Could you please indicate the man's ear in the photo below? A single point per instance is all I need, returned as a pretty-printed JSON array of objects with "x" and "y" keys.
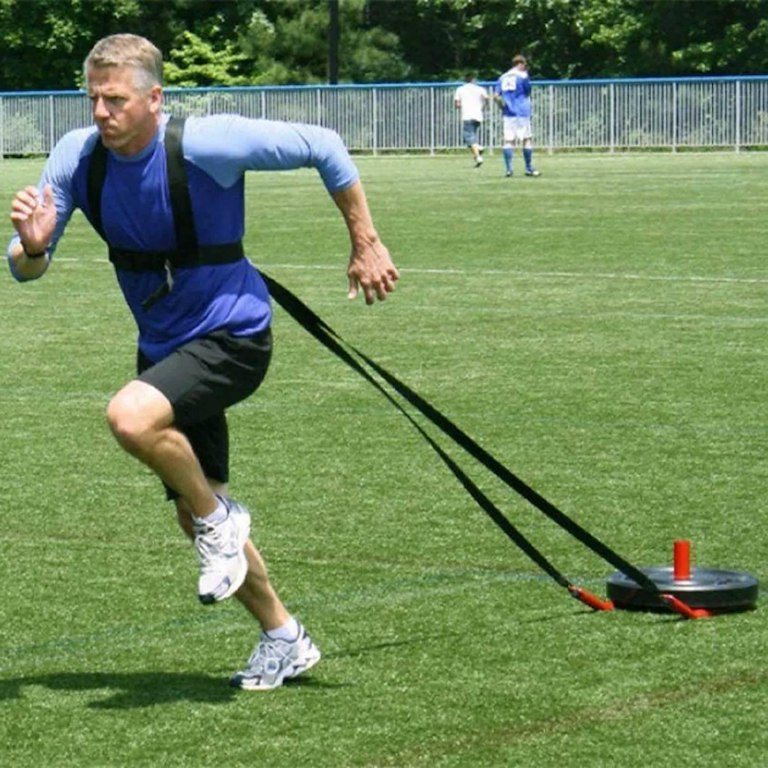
[{"x": 156, "y": 98}]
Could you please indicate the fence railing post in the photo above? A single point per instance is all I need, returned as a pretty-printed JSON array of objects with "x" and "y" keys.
[
  {"x": 551, "y": 127},
  {"x": 612, "y": 116},
  {"x": 674, "y": 117},
  {"x": 375, "y": 113}
]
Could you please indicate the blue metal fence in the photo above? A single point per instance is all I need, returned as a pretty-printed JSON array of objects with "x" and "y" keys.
[{"x": 608, "y": 115}]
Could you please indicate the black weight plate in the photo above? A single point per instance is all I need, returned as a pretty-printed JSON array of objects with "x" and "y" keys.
[{"x": 709, "y": 588}]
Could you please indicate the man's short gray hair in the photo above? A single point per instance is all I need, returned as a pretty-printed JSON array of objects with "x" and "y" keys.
[{"x": 127, "y": 50}]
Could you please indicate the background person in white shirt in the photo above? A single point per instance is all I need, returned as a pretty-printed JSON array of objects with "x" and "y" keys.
[{"x": 471, "y": 99}]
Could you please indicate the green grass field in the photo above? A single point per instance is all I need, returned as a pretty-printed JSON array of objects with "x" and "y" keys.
[{"x": 601, "y": 330}]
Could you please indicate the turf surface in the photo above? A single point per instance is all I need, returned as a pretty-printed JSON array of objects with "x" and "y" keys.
[{"x": 601, "y": 330}]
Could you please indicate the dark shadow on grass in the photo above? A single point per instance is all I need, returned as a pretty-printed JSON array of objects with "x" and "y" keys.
[
  {"x": 139, "y": 690},
  {"x": 128, "y": 691}
]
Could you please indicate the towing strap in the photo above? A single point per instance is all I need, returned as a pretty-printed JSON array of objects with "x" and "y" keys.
[{"x": 358, "y": 361}]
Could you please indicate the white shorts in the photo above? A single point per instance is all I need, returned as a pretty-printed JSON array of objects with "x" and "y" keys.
[{"x": 517, "y": 128}]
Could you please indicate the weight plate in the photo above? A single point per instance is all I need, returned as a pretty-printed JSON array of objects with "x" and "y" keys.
[{"x": 710, "y": 588}]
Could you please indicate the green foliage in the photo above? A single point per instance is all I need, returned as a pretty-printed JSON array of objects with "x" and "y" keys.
[
  {"x": 687, "y": 37},
  {"x": 195, "y": 62},
  {"x": 230, "y": 42},
  {"x": 287, "y": 43},
  {"x": 580, "y": 38},
  {"x": 374, "y": 57}
]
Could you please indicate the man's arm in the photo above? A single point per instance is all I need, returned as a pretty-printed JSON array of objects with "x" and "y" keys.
[
  {"x": 226, "y": 146},
  {"x": 370, "y": 265},
  {"x": 34, "y": 218},
  {"x": 25, "y": 267}
]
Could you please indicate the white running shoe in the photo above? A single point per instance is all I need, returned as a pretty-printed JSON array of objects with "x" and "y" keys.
[
  {"x": 220, "y": 548},
  {"x": 274, "y": 661}
]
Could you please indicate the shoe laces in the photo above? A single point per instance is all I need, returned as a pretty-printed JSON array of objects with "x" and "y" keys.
[
  {"x": 211, "y": 540},
  {"x": 268, "y": 655}
]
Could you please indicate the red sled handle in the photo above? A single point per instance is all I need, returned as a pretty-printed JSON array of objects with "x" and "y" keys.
[
  {"x": 593, "y": 601},
  {"x": 685, "y": 610}
]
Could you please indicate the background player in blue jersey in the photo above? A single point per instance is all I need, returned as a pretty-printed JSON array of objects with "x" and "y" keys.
[
  {"x": 513, "y": 92},
  {"x": 202, "y": 310}
]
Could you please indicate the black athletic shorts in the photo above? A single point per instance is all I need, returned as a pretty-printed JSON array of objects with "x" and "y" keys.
[{"x": 201, "y": 379}]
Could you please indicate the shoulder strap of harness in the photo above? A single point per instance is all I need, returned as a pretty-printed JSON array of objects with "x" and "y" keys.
[
  {"x": 97, "y": 172},
  {"x": 181, "y": 203}
]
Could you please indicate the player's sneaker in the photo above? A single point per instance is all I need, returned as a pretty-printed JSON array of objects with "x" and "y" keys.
[
  {"x": 508, "y": 174},
  {"x": 533, "y": 172},
  {"x": 274, "y": 661},
  {"x": 220, "y": 548},
  {"x": 479, "y": 161}
]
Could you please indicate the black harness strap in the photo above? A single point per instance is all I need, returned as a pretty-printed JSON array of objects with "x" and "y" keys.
[
  {"x": 187, "y": 252},
  {"x": 97, "y": 172},
  {"x": 181, "y": 204}
]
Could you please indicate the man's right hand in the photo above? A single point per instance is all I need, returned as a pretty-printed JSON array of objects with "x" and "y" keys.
[{"x": 34, "y": 218}]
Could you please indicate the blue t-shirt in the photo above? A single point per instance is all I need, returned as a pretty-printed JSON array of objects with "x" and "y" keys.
[
  {"x": 137, "y": 215},
  {"x": 514, "y": 87}
]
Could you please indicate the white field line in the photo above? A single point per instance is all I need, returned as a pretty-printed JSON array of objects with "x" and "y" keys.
[{"x": 515, "y": 274}]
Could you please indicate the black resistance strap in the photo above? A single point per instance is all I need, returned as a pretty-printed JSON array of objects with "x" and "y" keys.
[{"x": 336, "y": 344}]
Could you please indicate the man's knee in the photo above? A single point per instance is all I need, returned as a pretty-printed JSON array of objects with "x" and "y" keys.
[
  {"x": 135, "y": 413},
  {"x": 122, "y": 420}
]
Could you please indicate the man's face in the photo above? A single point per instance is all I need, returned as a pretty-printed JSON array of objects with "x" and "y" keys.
[{"x": 127, "y": 117}]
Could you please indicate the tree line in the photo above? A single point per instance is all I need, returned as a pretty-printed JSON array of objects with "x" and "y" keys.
[{"x": 279, "y": 42}]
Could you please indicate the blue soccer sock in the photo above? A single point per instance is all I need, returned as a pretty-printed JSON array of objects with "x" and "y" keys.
[
  {"x": 528, "y": 157},
  {"x": 508, "y": 153}
]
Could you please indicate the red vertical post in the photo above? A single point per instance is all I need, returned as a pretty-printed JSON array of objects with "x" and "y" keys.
[{"x": 682, "y": 560}]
